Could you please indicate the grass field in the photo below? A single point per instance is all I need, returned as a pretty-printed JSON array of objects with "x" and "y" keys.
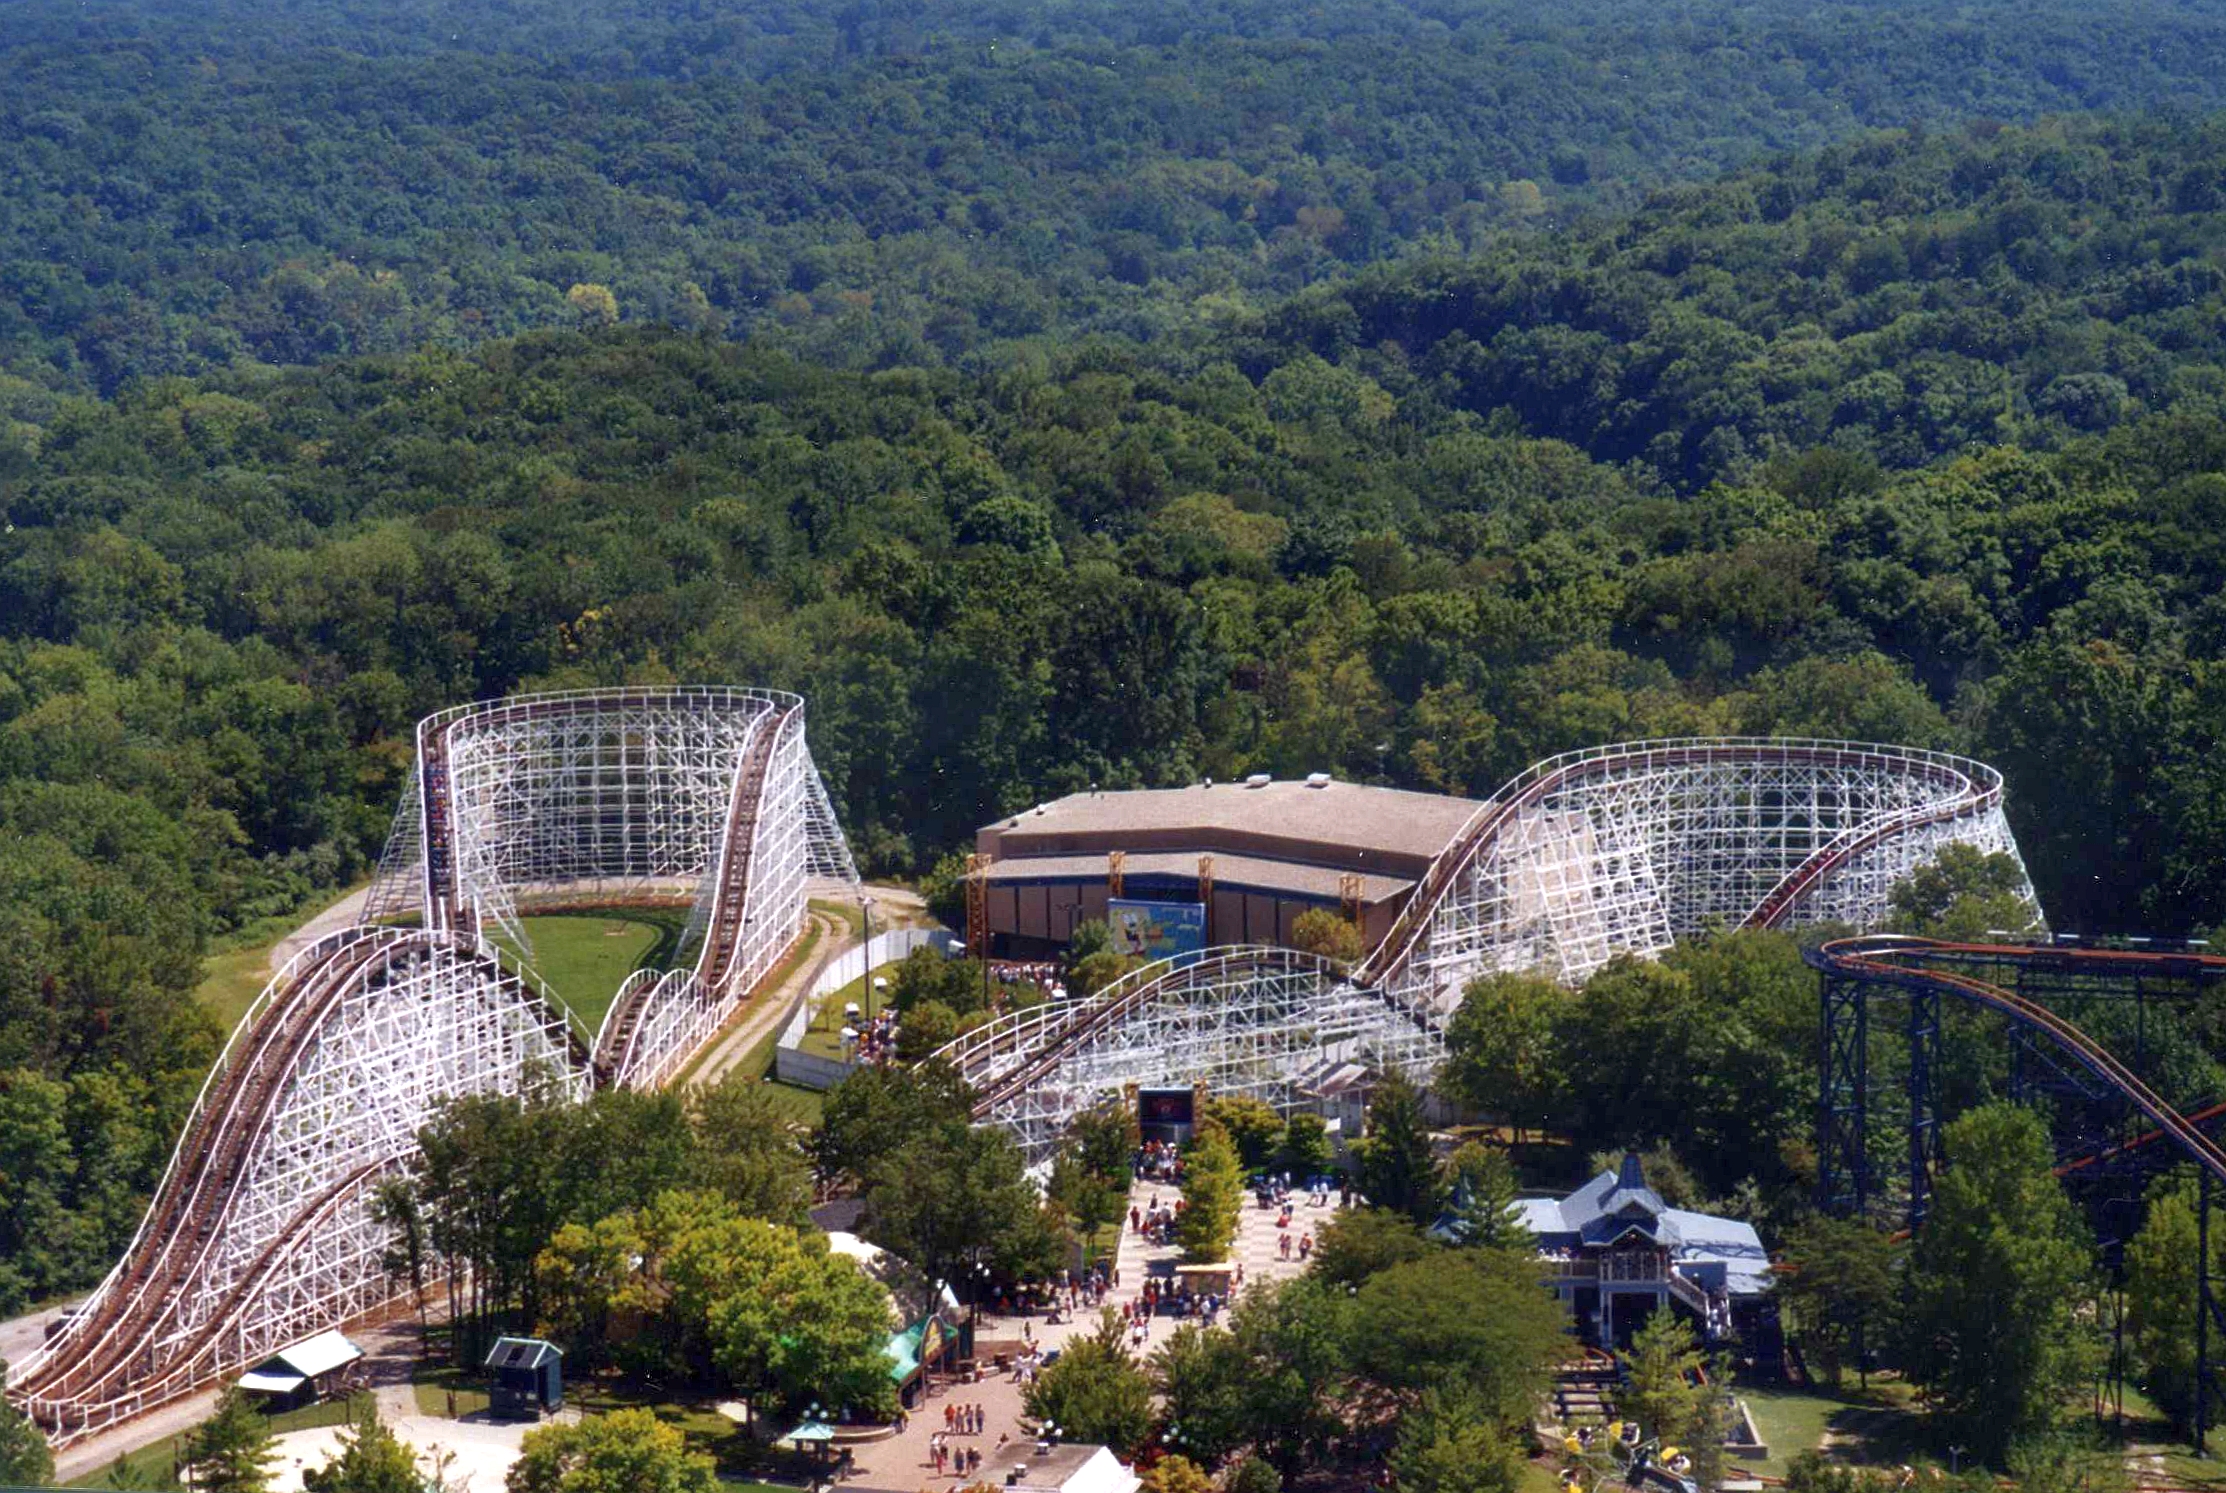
[
  {"x": 237, "y": 966},
  {"x": 584, "y": 959},
  {"x": 1880, "y": 1426},
  {"x": 823, "y": 1037}
]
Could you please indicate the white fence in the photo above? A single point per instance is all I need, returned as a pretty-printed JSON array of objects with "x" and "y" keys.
[{"x": 791, "y": 1064}]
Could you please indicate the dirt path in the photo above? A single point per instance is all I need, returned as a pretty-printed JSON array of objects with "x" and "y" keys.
[{"x": 771, "y": 1010}]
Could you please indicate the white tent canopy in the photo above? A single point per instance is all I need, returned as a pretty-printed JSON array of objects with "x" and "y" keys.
[{"x": 308, "y": 1359}]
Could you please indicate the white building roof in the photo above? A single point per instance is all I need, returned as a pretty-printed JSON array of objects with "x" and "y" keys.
[{"x": 290, "y": 1368}]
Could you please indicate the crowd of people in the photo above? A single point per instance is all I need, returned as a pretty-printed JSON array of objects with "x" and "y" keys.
[
  {"x": 1046, "y": 975},
  {"x": 1159, "y": 1161},
  {"x": 1155, "y": 1222},
  {"x": 874, "y": 1041}
]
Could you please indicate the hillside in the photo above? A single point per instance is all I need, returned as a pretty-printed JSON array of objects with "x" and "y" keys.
[{"x": 192, "y": 187}]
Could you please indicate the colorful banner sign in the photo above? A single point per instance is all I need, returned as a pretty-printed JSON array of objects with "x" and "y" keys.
[{"x": 1156, "y": 930}]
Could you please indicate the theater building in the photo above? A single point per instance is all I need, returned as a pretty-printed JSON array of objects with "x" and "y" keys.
[{"x": 1217, "y": 863}]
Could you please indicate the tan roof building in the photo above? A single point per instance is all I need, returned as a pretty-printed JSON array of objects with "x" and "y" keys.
[{"x": 1270, "y": 851}]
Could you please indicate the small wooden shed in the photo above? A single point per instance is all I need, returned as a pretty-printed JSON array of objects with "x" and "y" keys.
[{"x": 528, "y": 1378}]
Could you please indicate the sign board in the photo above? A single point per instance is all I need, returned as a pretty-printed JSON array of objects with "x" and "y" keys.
[
  {"x": 1156, "y": 930},
  {"x": 1166, "y": 1107}
]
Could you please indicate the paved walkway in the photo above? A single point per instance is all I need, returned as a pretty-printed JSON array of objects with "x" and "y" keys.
[{"x": 902, "y": 1461}]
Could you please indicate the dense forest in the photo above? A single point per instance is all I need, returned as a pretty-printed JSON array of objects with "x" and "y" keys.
[
  {"x": 194, "y": 187},
  {"x": 1070, "y": 394}
]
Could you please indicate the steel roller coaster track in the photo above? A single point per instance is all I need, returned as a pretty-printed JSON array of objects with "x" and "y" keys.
[
  {"x": 1925, "y": 972},
  {"x": 261, "y": 1230}
]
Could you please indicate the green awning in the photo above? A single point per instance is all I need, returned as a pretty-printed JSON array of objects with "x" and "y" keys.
[
  {"x": 904, "y": 1355},
  {"x": 811, "y": 1430}
]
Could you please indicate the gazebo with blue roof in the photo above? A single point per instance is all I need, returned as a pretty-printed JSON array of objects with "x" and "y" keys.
[{"x": 1616, "y": 1253}]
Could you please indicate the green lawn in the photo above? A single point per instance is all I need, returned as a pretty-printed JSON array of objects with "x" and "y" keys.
[
  {"x": 238, "y": 964},
  {"x": 1876, "y": 1427},
  {"x": 433, "y": 1384},
  {"x": 823, "y": 1037},
  {"x": 584, "y": 959}
]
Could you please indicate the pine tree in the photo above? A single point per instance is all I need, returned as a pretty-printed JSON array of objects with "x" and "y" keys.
[
  {"x": 231, "y": 1452},
  {"x": 1397, "y": 1170},
  {"x": 372, "y": 1459},
  {"x": 1484, "y": 1188},
  {"x": 1665, "y": 1391},
  {"x": 24, "y": 1460},
  {"x": 1213, "y": 1198}
]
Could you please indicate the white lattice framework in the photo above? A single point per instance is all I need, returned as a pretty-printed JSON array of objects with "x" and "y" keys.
[
  {"x": 261, "y": 1231},
  {"x": 318, "y": 1094},
  {"x": 1616, "y": 850}
]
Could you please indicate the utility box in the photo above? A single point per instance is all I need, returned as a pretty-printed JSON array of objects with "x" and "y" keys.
[{"x": 528, "y": 1378}]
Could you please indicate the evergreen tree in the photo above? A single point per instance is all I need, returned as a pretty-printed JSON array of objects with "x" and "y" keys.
[
  {"x": 1397, "y": 1168},
  {"x": 1449, "y": 1444},
  {"x": 372, "y": 1459},
  {"x": 1665, "y": 1392},
  {"x": 231, "y": 1451},
  {"x": 1997, "y": 1330},
  {"x": 25, "y": 1461},
  {"x": 1213, "y": 1198},
  {"x": 1483, "y": 1185}
]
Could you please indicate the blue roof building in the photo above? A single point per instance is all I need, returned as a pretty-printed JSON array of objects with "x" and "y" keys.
[{"x": 1615, "y": 1252}]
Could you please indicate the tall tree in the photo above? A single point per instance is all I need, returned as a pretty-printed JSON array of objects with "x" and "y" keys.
[
  {"x": 1202, "y": 1378},
  {"x": 1839, "y": 1279},
  {"x": 747, "y": 1150},
  {"x": 1962, "y": 893},
  {"x": 1396, "y": 1166},
  {"x": 954, "y": 1200},
  {"x": 1997, "y": 1328},
  {"x": 1473, "y": 1317},
  {"x": 2161, "y": 1264},
  {"x": 1666, "y": 1393},
  {"x": 1213, "y": 1198},
  {"x": 1500, "y": 1052}
]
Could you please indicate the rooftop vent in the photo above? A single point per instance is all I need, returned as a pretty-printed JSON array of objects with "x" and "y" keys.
[
  {"x": 1318, "y": 780},
  {"x": 1258, "y": 780}
]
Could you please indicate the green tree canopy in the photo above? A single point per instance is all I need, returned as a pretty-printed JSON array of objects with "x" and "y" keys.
[
  {"x": 1999, "y": 1279},
  {"x": 625, "y": 1451},
  {"x": 1096, "y": 1391}
]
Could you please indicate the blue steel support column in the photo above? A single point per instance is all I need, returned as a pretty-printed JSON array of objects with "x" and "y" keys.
[
  {"x": 1842, "y": 1150},
  {"x": 1924, "y": 1099}
]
